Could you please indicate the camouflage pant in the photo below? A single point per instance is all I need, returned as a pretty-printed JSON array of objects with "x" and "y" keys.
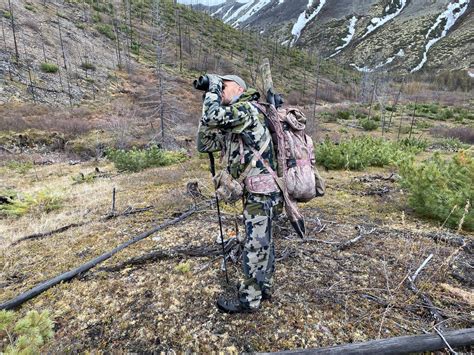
[{"x": 259, "y": 252}]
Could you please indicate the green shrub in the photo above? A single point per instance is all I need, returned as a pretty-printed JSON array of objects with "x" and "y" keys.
[
  {"x": 422, "y": 124},
  {"x": 28, "y": 334},
  {"x": 49, "y": 67},
  {"x": 87, "y": 66},
  {"x": 376, "y": 118},
  {"x": 106, "y": 30},
  {"x": 6, "y": 14},
  {"x": 183, "y": 268},
  {"x": 42, "y": 202},
  {"x": 139, "y": 159},
  {"x": 328, "y": 117},
  {"x": 30, "y": 7},
  {"x": 368, "y": 125},
  {"x": 135, "y": 48},
  {"x": 450, "y": 144},
  {"x": 357, "y": 153},
  {"x": 441, "y": 189},
  {"x": 343, "y": 115},
  {"x": 20, "y": 167},
  {"x": 418, "y": 144},
  {"x": 405, "y": 129},
  {"x": 444, "y": 115}
]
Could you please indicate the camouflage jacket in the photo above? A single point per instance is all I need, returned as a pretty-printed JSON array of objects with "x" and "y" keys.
[{"x": 221, "y": 126}]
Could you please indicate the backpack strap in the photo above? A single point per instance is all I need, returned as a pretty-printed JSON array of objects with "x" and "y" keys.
[{"x": 257, "y": 155}]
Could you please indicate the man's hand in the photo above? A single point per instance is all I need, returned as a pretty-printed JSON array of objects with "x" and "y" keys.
[{"x": 214, "y": 80}]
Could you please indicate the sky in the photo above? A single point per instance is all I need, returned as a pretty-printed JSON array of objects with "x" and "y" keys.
[{"x": 205, "y": 2}]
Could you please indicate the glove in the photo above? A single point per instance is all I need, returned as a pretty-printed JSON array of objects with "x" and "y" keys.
[{"x": 214, "y": 80}]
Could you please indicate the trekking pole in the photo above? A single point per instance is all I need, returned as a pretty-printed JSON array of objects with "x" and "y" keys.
[{"x": 213, "y": 173}]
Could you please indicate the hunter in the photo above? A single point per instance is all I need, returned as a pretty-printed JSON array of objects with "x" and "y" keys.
[{"x": 231, "y": 124}]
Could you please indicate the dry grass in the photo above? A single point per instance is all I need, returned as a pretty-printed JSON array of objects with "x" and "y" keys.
[{"x": 319, "y": 297}]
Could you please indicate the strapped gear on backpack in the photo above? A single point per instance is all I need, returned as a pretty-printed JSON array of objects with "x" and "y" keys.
[
  {"x": 297, "y": 176},
  {"x": 295, "y": 152}
]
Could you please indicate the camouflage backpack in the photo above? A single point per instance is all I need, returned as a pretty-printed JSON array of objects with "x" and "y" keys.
[{"x": 295, "y": 152}]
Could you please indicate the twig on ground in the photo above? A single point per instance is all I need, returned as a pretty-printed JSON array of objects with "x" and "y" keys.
[
  {"x": 128, "y": 211},
  {"x": 362, "y": 233},
  {"x": 444, "y": 340},
  {"x": 306, "y": 240},
  {"x": 415, "y": 275},
  {"x": 438, "y": 317}
]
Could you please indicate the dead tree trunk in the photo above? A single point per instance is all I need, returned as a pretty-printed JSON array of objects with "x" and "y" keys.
[
  {"x": 318, "y": 69},
  {"x": 180, "y": 44},
  {"x": 62, "y": 43},
  {"x": 399, "y": 345},
  {"x": 394, "y": 107},
  {"x": 413, "y": 118},
  {"x": 372, "y": 99},
  {"x": 6, "y": 51},
  {"x": 12, "y": 19}
]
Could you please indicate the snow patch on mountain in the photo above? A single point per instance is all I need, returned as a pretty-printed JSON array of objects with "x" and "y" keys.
[
  {"x": 400, "y": 53},
  {"x": 280, "y": 2},
  {"x": 348, "y": 38},
  {"x": 449, "y": 17},
  {"x": 224, "y": 18},
  {"x": 246, "y": 11},
  {"x": 304, "y": 19},
  {"x": 376, "y": 22},
  {"x": 252, "y": 10},
  {"x": 236, "y": 14},
  {"x": 217, "y": 12}
]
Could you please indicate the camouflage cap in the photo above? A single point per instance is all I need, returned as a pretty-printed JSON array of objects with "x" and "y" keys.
[{"x": 236, "y": 79}]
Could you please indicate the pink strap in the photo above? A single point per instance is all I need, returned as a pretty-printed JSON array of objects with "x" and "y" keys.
[{"x": 241, "y": 150}]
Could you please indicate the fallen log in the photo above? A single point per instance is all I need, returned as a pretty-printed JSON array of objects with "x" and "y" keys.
[
  {"x": 200, "y": 251},
  {"x": 47, "y": 234},
  {"x": 129, "y": 211},
  {"x": 17, "y": 301},
  {"x": 398, "y": 345}
]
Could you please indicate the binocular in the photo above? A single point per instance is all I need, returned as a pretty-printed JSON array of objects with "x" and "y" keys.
[{"x": 202, "y": 83}]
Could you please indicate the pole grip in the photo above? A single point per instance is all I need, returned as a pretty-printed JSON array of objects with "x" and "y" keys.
[{"x": 212, "y": 165}]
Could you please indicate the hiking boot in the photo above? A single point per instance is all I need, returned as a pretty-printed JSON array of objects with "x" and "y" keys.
[
  {"x": 266, "y": 296},
  {"x": 232, "y": 306}
]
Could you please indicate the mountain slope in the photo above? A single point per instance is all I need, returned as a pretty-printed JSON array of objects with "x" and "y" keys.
[
  {"x": 407, "y": 35},
  {"x": 93, "y": 48}
]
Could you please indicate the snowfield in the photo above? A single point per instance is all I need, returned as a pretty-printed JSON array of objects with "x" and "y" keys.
[
  {"x": 377, "y": 22},
  {"x": 453, "y": 12},
  {"x": 303, "y": 20},
  {"x": 348, "y": 38}
]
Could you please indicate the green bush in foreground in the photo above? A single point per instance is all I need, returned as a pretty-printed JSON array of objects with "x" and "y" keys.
[
  {"x": 21, "y": 204},
  {"x": 358, "y": 153},
  {"x": 49, "y": 68},
  {"x": 368, "y": 124},
  {"x": 442, "y": 189},
  {"x": 139, "y": 159},
  {"x": 28, "y": 334}
]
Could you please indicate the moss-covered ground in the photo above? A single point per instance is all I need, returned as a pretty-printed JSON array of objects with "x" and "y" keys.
[{"x": 323, "y": 296}]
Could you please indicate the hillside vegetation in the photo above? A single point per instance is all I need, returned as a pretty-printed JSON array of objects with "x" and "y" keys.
[{"x": 98, "y": 119}]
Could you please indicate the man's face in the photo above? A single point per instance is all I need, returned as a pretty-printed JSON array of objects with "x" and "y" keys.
[{"x": 230, "y": 90}]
